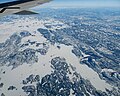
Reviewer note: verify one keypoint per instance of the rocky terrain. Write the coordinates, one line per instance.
(62, 52)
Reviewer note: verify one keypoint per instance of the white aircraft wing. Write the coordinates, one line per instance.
(20, 7)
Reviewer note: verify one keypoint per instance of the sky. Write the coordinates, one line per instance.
(85, 3)
(80, 3)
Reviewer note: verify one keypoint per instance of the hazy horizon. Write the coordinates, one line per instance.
(84, 3)
(78, 3)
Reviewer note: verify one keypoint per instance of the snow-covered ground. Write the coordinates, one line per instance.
(43, 66)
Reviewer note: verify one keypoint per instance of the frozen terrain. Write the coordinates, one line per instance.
(47, 55)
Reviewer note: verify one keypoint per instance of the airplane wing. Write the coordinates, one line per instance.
(20, 7)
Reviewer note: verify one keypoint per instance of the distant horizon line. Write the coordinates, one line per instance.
(54, 7)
